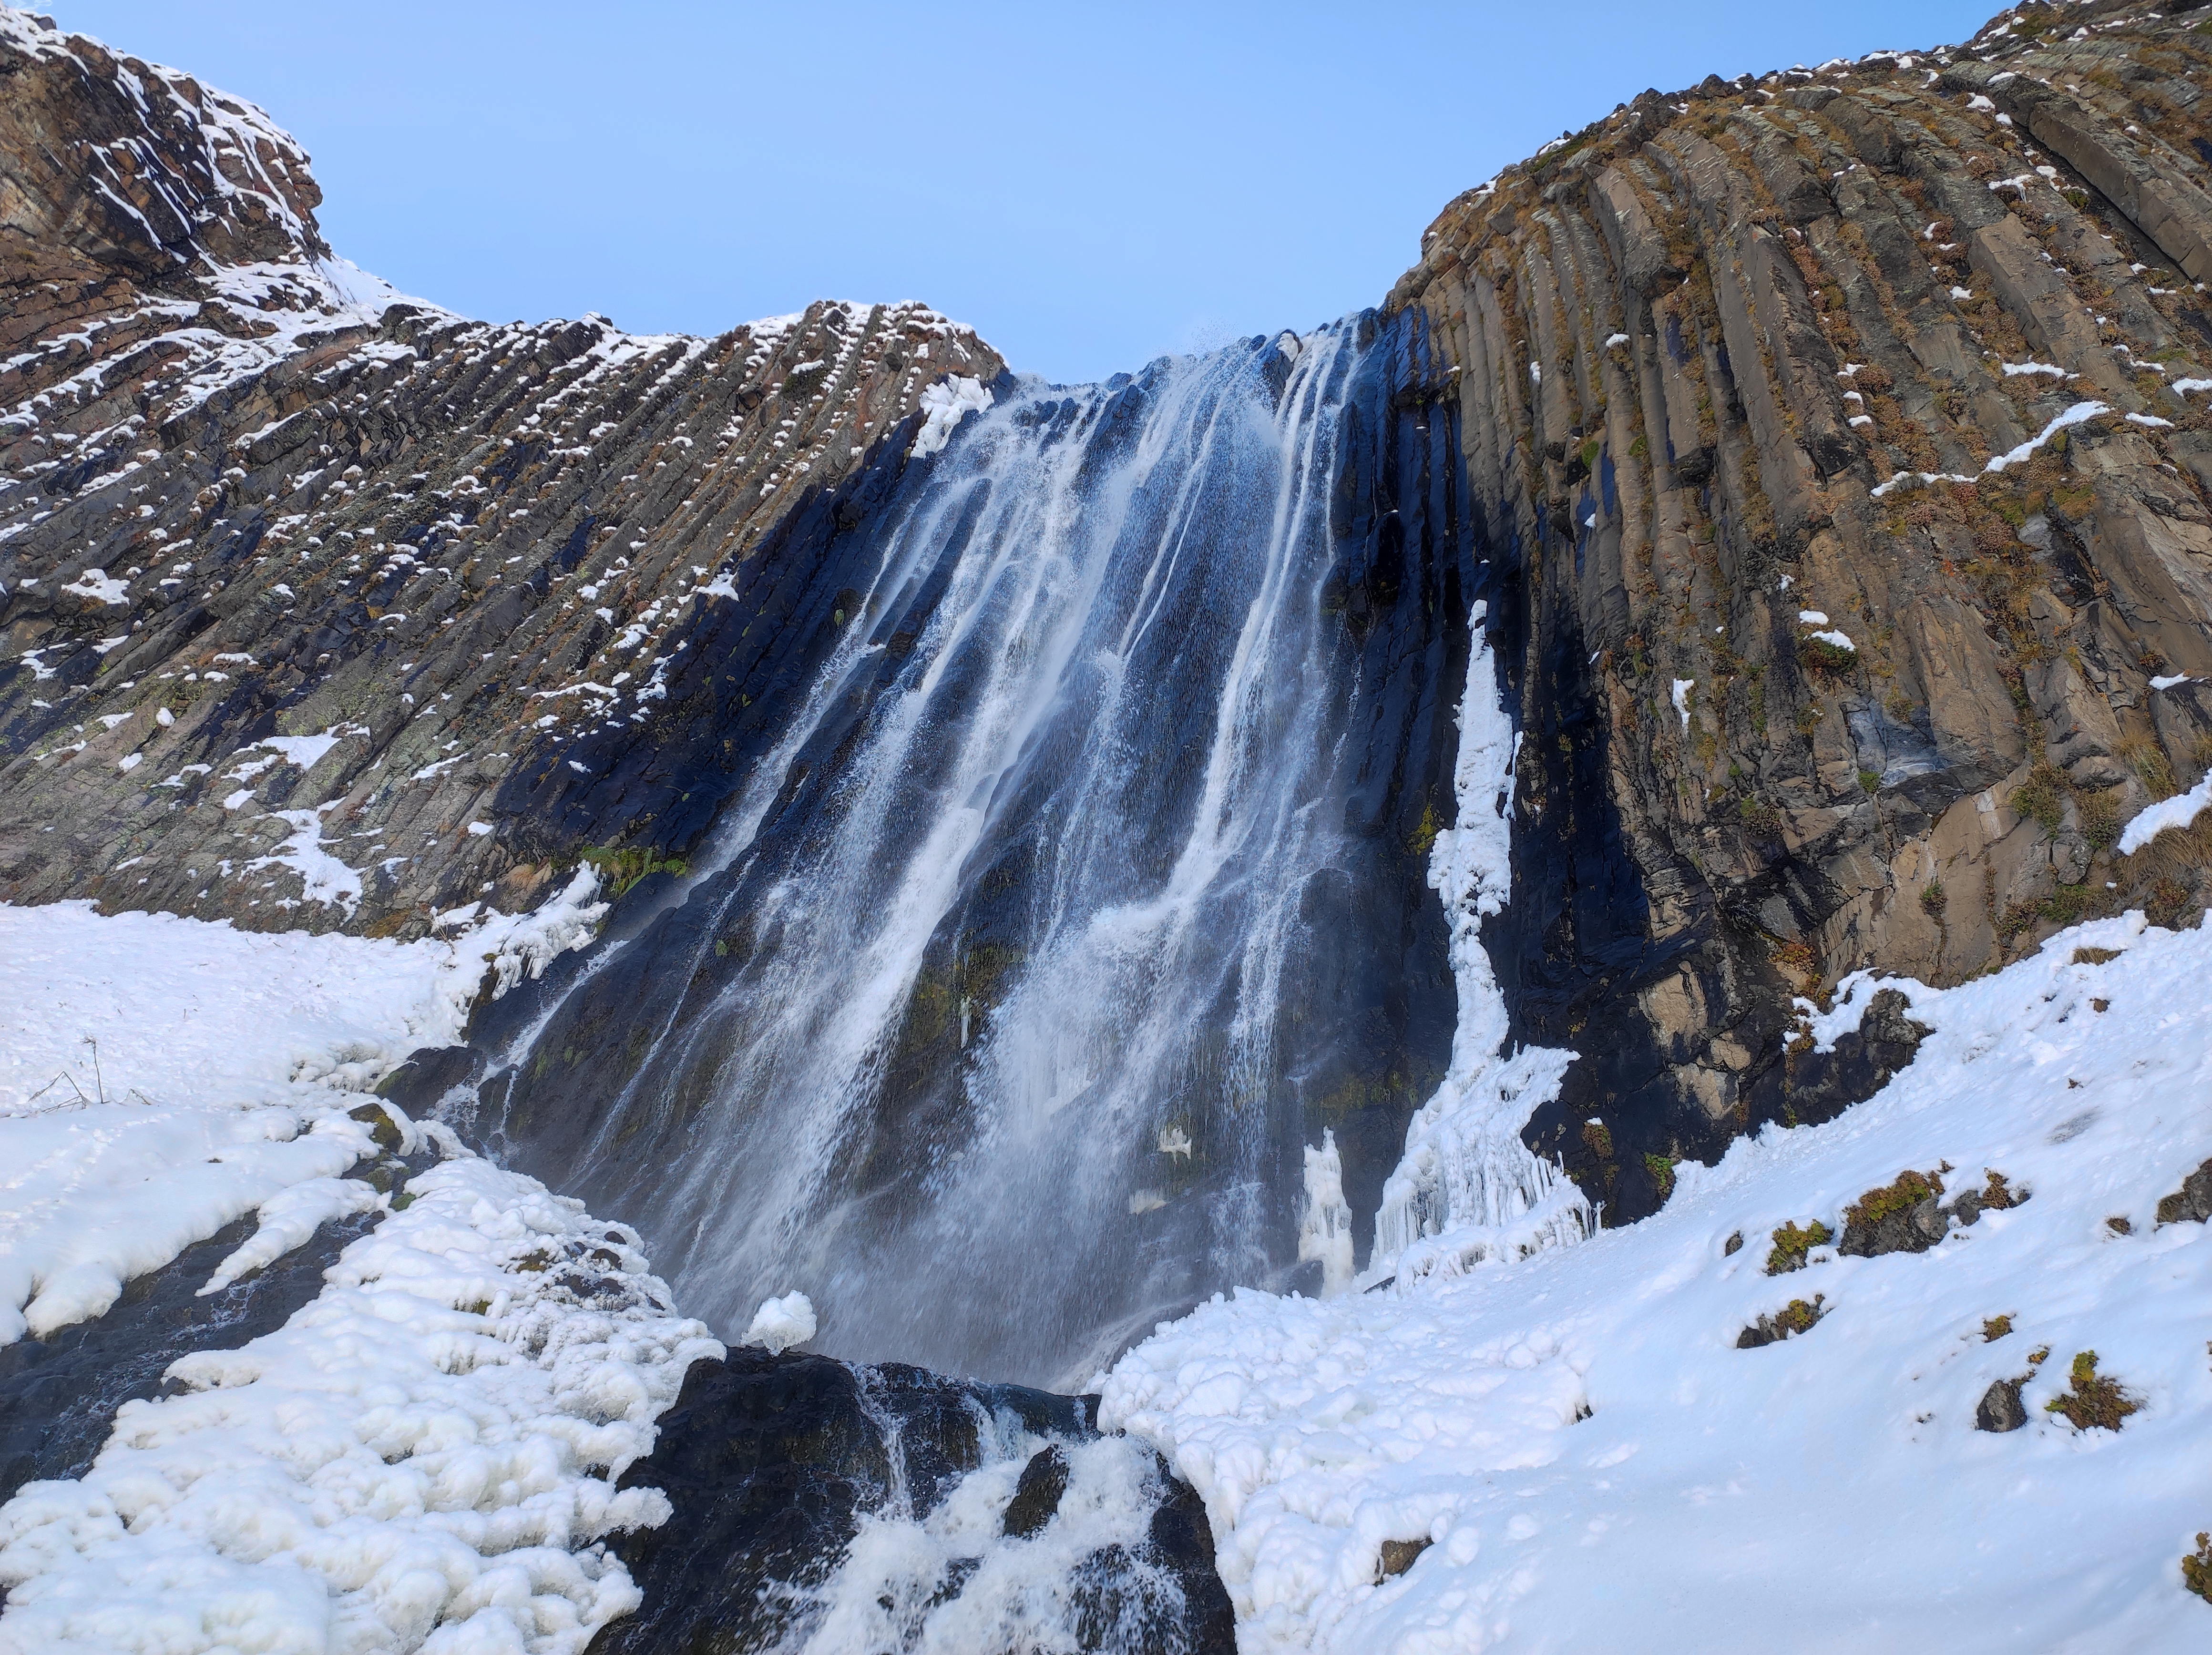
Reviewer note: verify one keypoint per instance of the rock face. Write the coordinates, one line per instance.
(1842, 438)
(323, 609)
(771, 1461)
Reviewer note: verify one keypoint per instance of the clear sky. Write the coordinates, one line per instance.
(1088, 187)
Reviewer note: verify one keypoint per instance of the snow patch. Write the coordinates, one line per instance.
(943, 405)
(2148, 824)
(780, 1324)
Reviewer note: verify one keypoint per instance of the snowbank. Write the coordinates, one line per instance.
(161, 1077)
(424, 1457)
(1592, 1457)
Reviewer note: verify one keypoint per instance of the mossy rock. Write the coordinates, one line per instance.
(383, 1131)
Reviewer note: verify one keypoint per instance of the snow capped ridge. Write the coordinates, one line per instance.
(1467, 1189)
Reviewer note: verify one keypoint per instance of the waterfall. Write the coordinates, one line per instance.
(979, 1033)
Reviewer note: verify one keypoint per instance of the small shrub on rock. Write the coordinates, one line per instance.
(2197, 1569)
(1795, 1318)
(1791, 1244)
(1900, 1216)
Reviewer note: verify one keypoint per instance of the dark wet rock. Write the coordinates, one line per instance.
(420, 1083)
(2192, 1201)
(770, 1461)
(59, 1395)
(383, 1131)
(2001, 1407)
(1036, 1497)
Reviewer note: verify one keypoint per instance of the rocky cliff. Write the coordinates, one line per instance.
(325, 608)
(1840, 441)
(1834, 450)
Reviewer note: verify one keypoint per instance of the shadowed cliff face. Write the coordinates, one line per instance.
(1832, 651)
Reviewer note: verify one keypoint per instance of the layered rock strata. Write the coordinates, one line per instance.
(1841, 439)
(323, 607)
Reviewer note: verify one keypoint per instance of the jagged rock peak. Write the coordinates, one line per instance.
(139, 168)
(334, 565)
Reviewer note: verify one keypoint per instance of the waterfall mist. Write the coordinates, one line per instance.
(1019, 973)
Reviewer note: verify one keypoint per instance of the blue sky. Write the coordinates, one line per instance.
(1089, 187)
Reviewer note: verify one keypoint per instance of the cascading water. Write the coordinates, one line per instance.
(1019, 987)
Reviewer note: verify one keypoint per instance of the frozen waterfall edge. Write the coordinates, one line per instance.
(1467, 1189)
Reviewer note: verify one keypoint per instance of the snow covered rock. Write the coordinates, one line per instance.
(780, 1324)
(427, 1453)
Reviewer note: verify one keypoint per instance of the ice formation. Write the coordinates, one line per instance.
(1467, 1188)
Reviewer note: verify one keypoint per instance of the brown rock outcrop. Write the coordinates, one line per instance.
(1845, 435)
(295, 569)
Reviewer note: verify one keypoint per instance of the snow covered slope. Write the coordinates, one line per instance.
(424, 1456)
(159, 1077)
(1598, 1466)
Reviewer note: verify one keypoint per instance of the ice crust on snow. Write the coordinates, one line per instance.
(1579, 1437)
(287, 1219)
(943, 405)
(424, 1457)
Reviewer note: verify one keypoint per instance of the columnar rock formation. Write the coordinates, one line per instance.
(1844, 434)
(478, 598)
(1836, 442)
